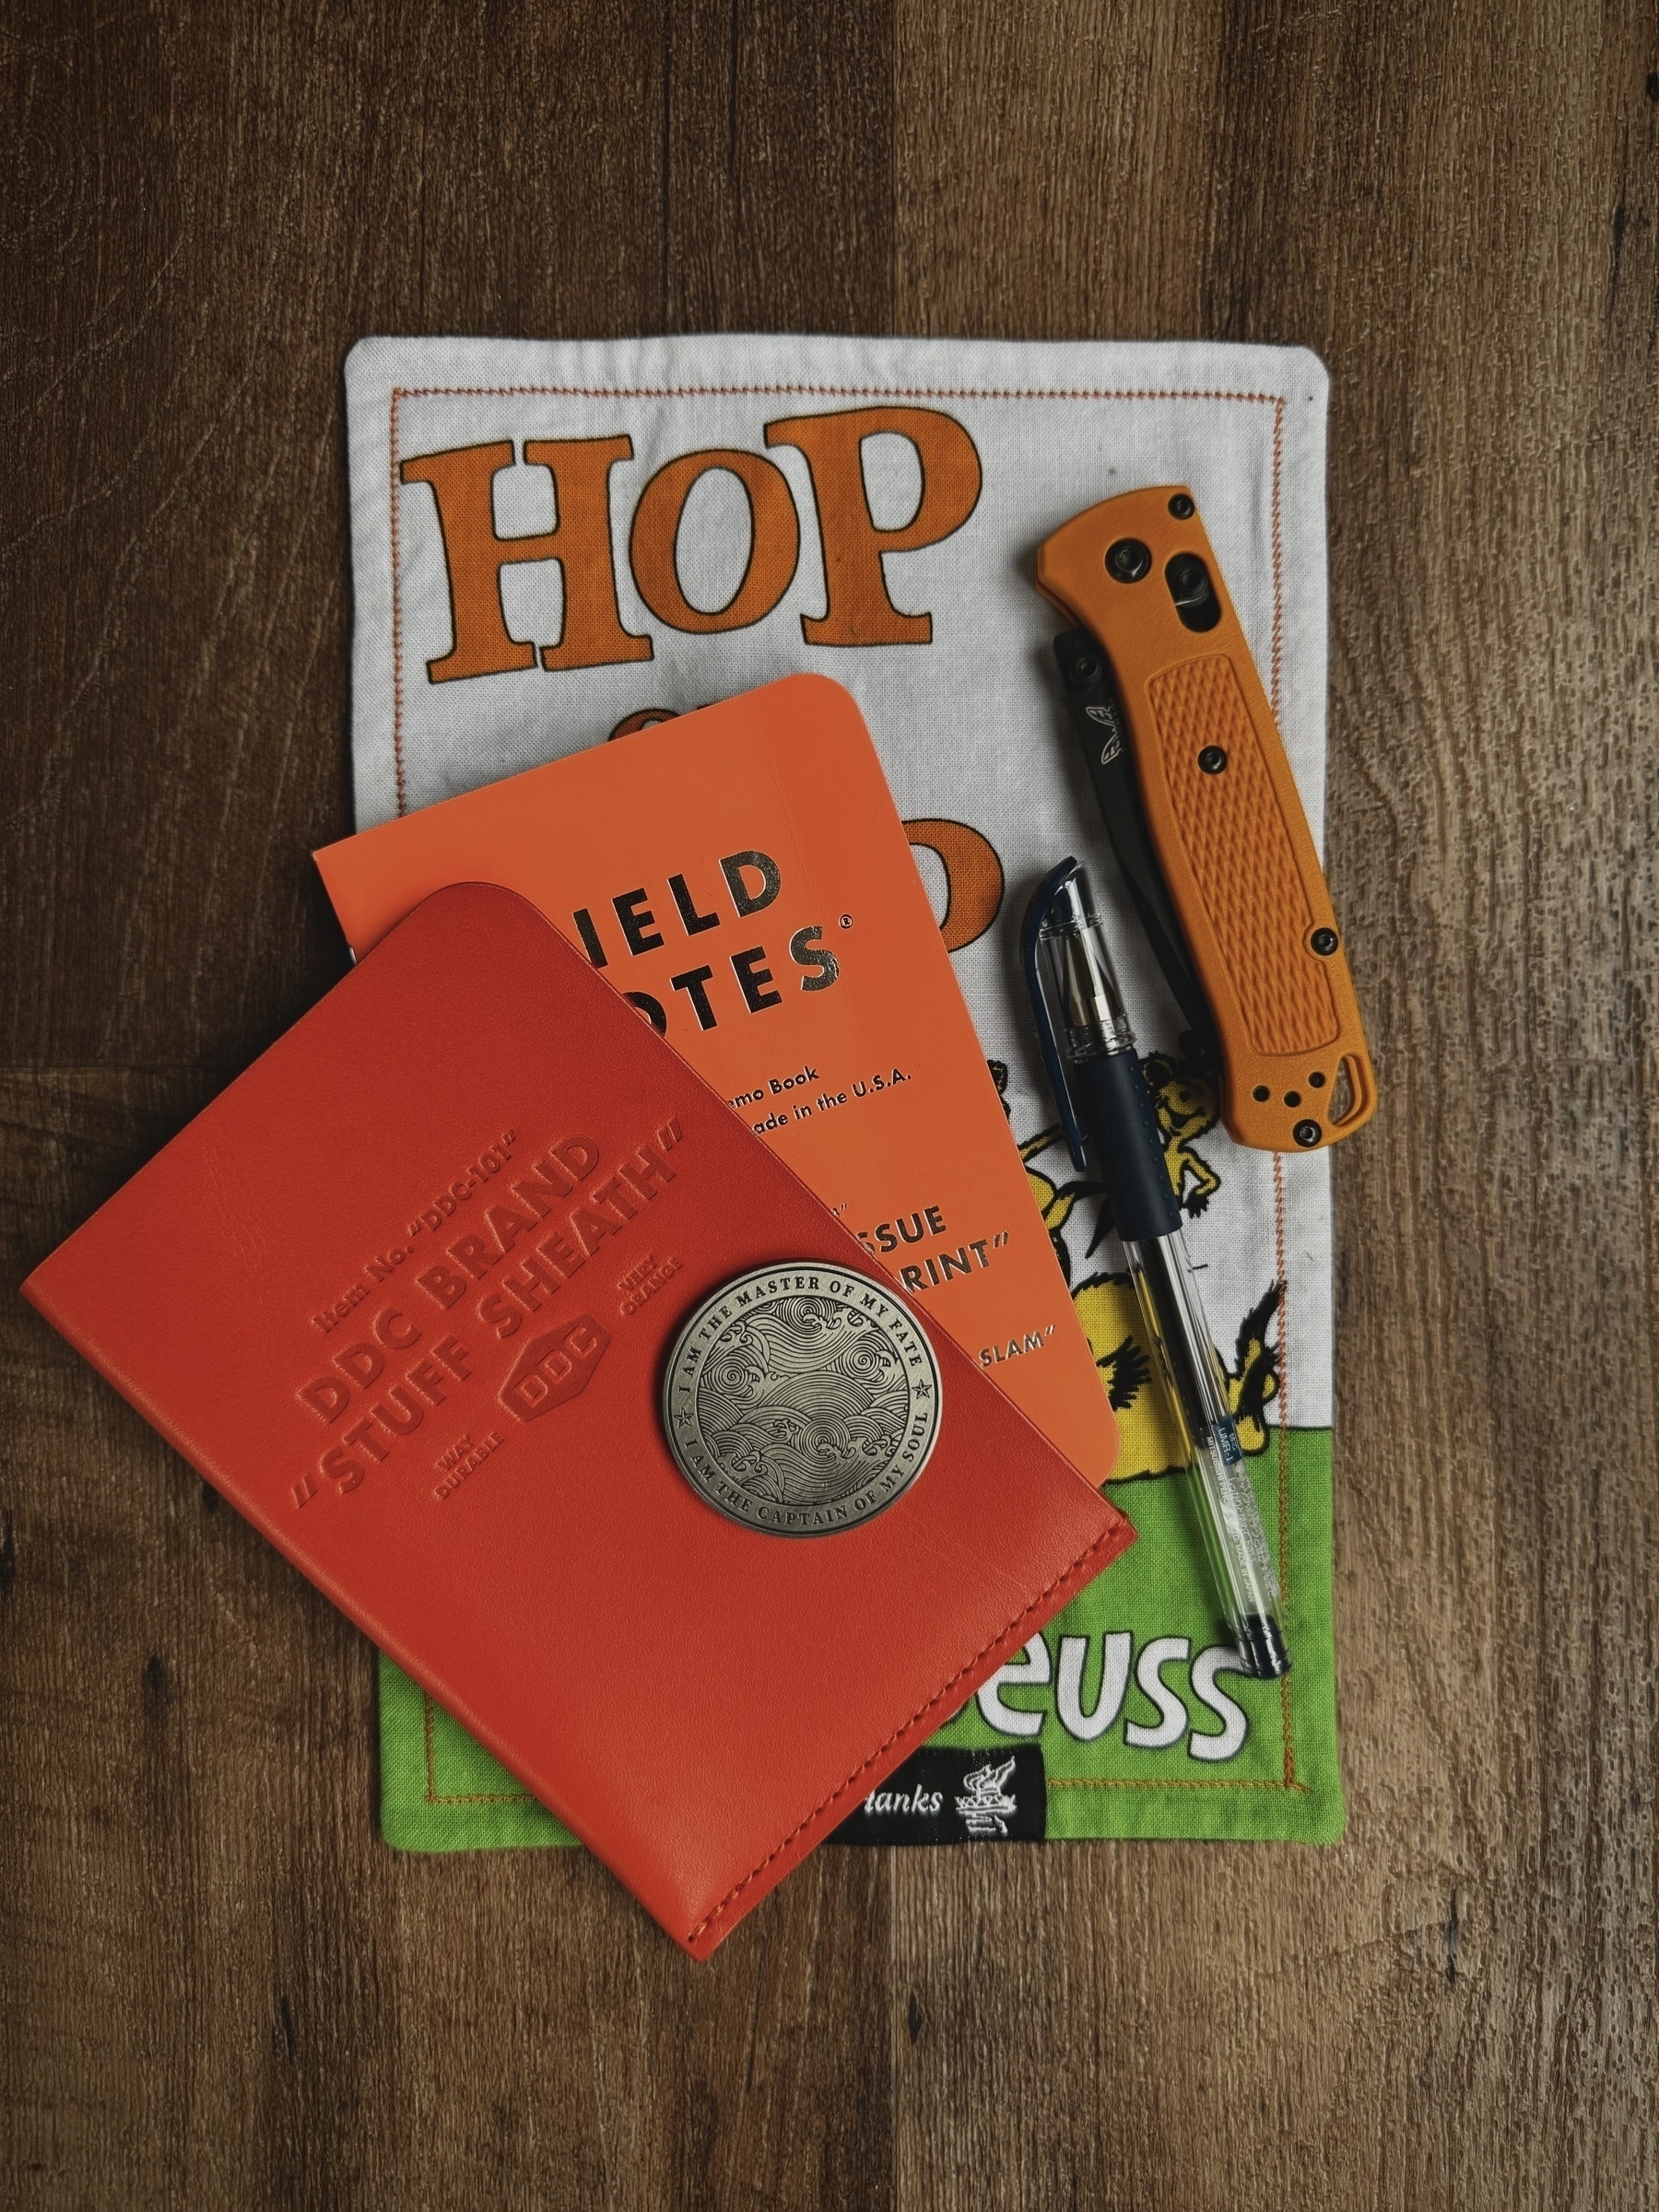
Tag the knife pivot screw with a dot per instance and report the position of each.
(1129, 561)
(1212, 761)
(1182, 508)
(1306, 1132)
(1323, 942)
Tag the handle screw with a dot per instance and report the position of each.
(1323, 941)
(1212, 760)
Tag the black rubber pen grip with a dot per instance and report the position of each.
(1122, 1128)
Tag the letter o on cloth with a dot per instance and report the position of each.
(774, 541)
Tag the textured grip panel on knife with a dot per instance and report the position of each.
(1235, 839)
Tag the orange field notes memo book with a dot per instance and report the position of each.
(500, 1510)
(743, 874)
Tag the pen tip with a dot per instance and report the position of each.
(1262, 1647)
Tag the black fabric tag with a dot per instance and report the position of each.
(942, 1796)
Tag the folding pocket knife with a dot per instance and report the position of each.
(1203, 812)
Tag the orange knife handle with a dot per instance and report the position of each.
(1224, 815)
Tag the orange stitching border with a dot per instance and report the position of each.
(938, 1698)
(1284, 1441)
(1277, 402)
(1265, 399)
(397, 752)
(1175, 1782)
(402, 391)
(1279, 605)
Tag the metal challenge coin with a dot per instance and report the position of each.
(801, 1399)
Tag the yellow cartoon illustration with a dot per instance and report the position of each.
(1111, 1315)
(1185, 1099)
(1055, 1200)
(1106, 1303)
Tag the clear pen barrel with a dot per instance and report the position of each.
(1233, 1537)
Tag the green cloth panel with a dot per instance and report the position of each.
(441, 1791)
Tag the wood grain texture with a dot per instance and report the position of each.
(1458, 212)
(215, 1987)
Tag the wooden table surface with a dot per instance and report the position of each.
(217, 1987)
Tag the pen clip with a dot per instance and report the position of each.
(1036, 913)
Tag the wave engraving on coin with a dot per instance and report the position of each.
(801, 1399)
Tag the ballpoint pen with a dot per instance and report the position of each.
(1095, 1073)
